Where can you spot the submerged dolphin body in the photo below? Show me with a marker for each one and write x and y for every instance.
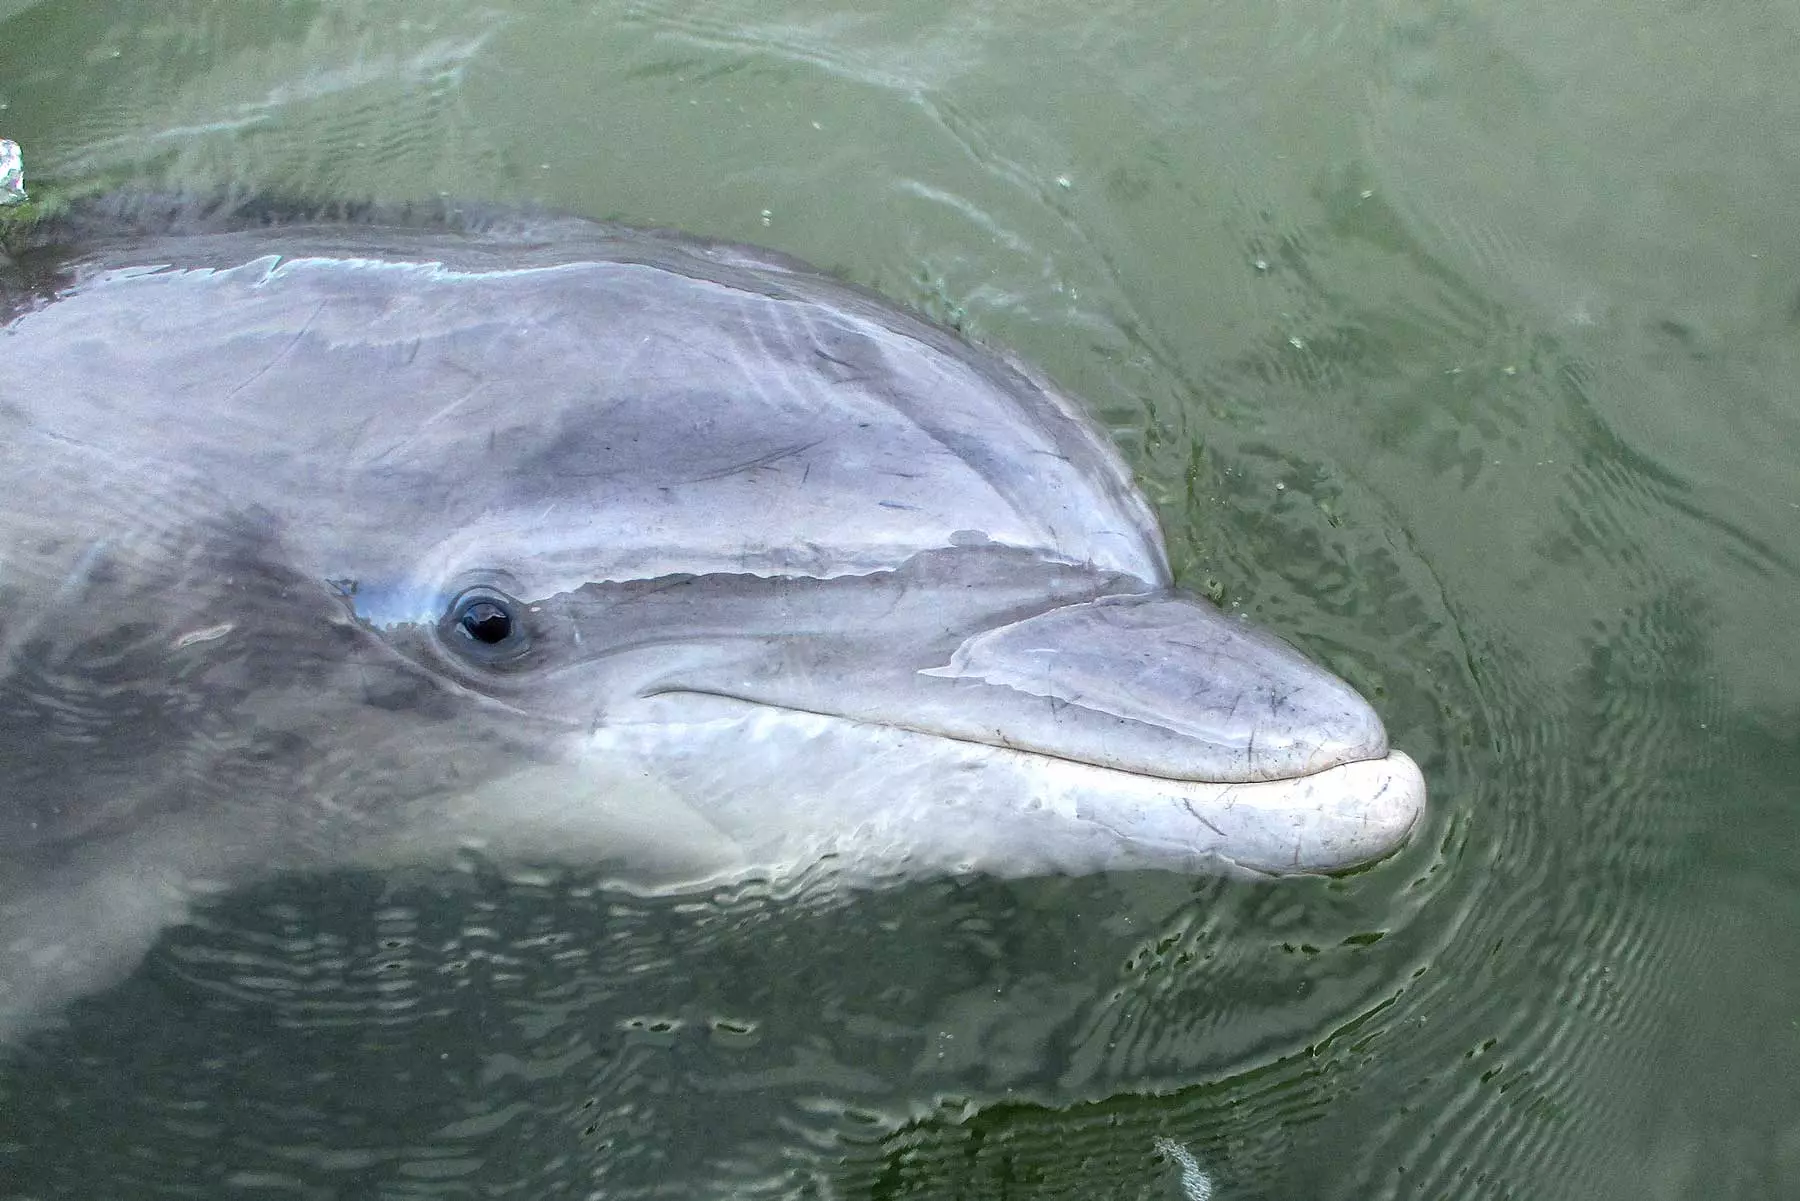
(347, 544)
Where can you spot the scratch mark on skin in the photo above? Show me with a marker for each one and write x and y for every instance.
(853, 373)
(419, 431)
(773, 456)
(1189, 806)
(476, 384)
(359, 435)
(282, 354)
(454, 405)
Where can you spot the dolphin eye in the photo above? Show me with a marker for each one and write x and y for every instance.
(485, 626)
(485, 621)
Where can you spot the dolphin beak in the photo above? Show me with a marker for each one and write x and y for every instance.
(1167, 686)
(1266, 759)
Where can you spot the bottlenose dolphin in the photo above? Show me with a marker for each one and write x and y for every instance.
(350, 544)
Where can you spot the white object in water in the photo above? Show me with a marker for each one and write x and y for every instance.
(1196, 1185)
(12, 173)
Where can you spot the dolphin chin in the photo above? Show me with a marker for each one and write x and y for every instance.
(332, 544)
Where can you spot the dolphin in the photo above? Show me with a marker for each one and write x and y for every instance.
(340, 543)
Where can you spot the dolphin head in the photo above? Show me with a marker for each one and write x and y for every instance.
(623, 547)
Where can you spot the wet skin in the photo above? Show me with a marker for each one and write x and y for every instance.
(357, 544)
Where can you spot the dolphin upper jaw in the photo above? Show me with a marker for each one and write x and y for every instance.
(1167, 685)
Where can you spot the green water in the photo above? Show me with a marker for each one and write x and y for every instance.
(1458, 343)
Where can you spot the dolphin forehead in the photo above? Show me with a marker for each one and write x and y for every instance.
(648, 414)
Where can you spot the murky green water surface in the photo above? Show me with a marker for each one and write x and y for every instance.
(1458, 343)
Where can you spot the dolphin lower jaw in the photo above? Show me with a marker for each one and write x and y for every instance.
(790, 787)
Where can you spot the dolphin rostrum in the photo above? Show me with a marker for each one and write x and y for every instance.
(355, 544)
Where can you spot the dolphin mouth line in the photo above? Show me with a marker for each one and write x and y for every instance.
(1002, 743)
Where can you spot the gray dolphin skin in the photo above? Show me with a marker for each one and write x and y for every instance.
(329, 545)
